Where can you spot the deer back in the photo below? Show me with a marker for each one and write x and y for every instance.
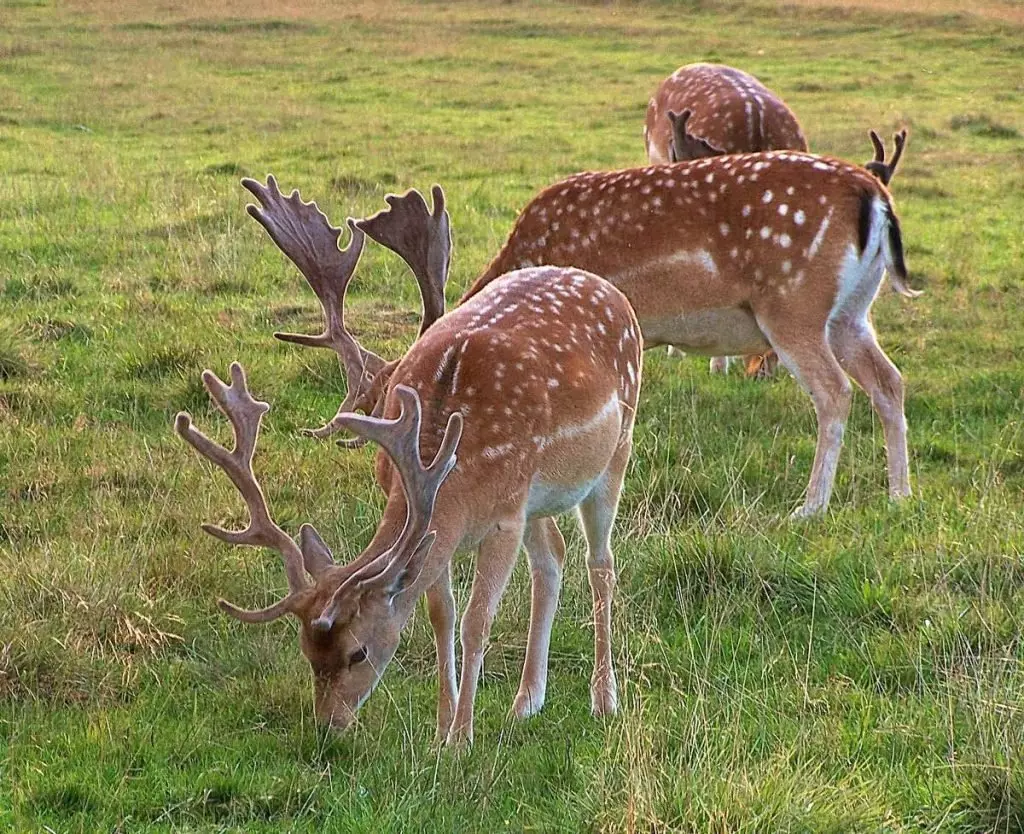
(705, 234)
(539, 363)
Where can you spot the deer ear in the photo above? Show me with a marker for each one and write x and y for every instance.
(398, 579)
(316, 555)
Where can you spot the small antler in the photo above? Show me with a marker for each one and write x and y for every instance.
(303, 232)
(878, 166)
(422, 238)
(245, 414)
(400, 438)
(685, 145)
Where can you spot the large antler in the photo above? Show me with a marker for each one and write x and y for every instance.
(878, 166)
(305, 235)
(685, 145)
(400, 438)
(245, 414)
(422, 238)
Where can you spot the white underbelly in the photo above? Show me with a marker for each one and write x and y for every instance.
(572, 460)
(721, 332)
(546, 499)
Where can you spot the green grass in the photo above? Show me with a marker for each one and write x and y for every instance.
(861, 673)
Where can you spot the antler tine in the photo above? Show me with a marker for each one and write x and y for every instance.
(303, 232)
(245, 414)
(422, 238)
(900, 141)
(876, 141)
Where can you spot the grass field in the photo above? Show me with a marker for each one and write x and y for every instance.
(860, 673)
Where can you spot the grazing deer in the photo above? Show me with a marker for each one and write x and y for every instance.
(730, 112)
(532, 384)
(735, 254)
(709, 110)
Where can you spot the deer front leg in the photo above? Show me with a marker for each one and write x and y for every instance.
(494, 563)
(546, 550)
(441, 608)
(597, 516)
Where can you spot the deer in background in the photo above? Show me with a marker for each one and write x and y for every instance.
(737, 254)
(709, 110)
(730, 112)
(523, 401)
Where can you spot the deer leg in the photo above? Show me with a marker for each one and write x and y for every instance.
(858, 352)
(761, 365)
(494, 562)
(597, 517)
(546, 550)
(719, 365)
(441, 608)
(811, 361)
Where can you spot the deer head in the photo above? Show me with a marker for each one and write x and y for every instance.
(878, 166)
(684, 145)
(351, 616)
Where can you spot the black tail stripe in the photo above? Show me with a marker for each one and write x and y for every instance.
(867, 198)
(896, 242)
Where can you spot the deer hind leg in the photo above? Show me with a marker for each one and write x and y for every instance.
(858, 352)
(809, 358)
(761, 365)
(546, 550)
(494, 562)
(719, 365)
(597, 517)
(441, 608)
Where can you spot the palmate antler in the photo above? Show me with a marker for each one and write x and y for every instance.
(303, 232)
(424, 241)
(305, 235)
(400, 438)
(245, 414)
(878, 166)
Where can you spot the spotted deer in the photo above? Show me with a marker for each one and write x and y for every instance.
(730, 112)
(523, 401)
(737, 254)
(709, 110)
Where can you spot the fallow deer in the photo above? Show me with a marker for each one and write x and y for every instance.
(711, 110)
(735, 254)
(731, 112)
(533, 385)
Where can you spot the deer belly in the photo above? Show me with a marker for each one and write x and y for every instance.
(721, 332)
(572, 460)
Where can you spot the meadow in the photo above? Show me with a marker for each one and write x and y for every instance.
(862, 672)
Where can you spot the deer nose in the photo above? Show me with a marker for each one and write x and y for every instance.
(338, 719)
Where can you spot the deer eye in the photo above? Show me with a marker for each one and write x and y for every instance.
(358, 656)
